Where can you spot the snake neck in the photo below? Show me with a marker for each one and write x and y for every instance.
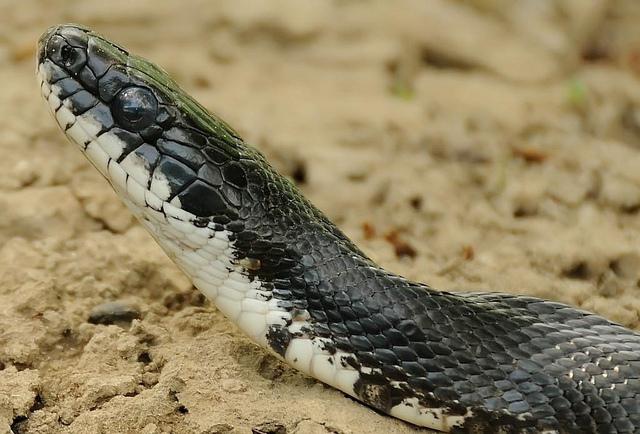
(258, 249)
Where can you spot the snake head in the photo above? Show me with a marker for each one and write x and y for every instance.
(177, 167)
(148, 138)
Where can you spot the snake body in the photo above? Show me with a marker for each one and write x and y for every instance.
(296, 285)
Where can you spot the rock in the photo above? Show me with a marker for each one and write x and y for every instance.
(269, 428)
(218, 428)
(114, 312)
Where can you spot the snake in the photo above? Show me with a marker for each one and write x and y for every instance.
(296, 285)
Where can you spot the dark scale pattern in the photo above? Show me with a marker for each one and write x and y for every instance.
(508, 363)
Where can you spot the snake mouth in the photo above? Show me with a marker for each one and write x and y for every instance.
(86, 121)
(109, 110)
(71, 61)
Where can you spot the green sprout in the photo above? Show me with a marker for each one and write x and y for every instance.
(402, 89)
(577, 92)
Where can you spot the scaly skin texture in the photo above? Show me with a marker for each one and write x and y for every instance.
(278, 268)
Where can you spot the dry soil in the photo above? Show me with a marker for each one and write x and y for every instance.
(483, 144)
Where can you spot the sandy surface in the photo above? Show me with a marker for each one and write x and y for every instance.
(471, 145)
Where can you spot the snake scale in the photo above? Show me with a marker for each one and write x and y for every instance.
(297, 286)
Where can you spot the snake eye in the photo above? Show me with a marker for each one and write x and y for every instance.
(135, 108)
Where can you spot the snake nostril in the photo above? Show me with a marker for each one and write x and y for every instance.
(67, 55)
(64, 54)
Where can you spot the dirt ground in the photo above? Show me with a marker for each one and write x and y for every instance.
(483, 144)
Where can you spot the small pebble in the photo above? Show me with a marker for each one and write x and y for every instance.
(113, 312)
(269, 428)
(219, 428)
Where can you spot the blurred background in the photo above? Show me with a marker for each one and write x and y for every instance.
(479, 144)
